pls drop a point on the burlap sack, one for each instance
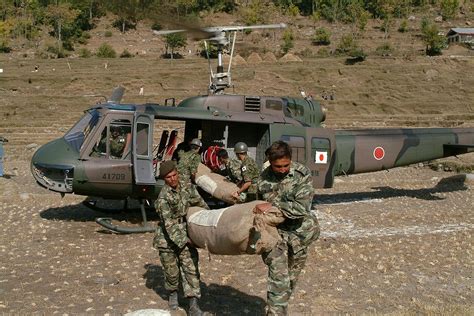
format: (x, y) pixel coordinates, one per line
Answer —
(215, 184)
(234, 230)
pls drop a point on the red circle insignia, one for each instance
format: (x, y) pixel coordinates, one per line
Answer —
(321, 157)
(379, 153)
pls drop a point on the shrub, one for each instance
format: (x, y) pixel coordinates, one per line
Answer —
(384, 50)
(449, 8)
(156, 26)
(346, 44)
(106, 51)
(287, 41)
(126, 54)
(4, 48)
(403, 26)
(108, 34)
(85, 53)
(323, 52)
(321, 37)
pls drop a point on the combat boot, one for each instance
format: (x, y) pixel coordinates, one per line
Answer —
(173, 300)
(194, 309)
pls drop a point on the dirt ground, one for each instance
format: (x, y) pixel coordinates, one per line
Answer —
(397, 242)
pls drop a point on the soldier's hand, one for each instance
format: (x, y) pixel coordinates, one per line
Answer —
(262, 208)
(236, 195)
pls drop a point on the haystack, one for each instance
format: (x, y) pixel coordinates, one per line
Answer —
(238, 60)
(290, 57)
(254, 58)
(269, 56)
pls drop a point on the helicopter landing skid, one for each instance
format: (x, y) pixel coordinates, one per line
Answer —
(106, 222)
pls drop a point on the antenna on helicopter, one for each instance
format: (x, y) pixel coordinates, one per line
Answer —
(221, 36)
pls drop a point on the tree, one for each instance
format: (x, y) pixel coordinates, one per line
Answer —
(433, 40)
(449, 8)
(174, 41)
(59, 15)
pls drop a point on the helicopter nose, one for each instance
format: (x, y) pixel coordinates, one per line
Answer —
(53, 164)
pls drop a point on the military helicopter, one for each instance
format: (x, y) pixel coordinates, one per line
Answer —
(112, 152)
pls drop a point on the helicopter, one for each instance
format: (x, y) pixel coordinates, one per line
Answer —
(114, 150)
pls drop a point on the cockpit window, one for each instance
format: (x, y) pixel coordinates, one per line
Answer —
(114, 142)
(76, 135)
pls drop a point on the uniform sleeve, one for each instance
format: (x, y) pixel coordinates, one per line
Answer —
(195, 161)
(250, 173)
(297, 202)
(196, 199)
(175, 230)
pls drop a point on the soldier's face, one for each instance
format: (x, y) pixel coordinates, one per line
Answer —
(171, 179)
(241, 156)
(281, 166)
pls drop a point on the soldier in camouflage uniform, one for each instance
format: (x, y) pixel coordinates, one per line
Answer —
(177, 255)
(249, 173)
(288, 186)
(117, 142)
(229, 168)
(189, 161)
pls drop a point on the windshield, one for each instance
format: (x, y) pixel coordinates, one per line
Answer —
(76, 135)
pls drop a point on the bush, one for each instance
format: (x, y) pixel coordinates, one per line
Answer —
(403, 26)
(384, 50)
(323, 52)
(287, 41)
(4, 48)
(106, 51)
(449, 9)
(346, 45)
(55, 51)
(83, 39)
(307, 53)
(85, 53)
(108, 34)
(321, 37)
(156, 26)
(126, 54)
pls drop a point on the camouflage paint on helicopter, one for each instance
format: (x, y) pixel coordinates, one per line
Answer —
(70, 165)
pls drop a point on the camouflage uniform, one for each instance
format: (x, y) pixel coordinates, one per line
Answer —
(233, 171)
(250, 173)
(117, 146)
(293, 195)
(171, 238)
(187, 165)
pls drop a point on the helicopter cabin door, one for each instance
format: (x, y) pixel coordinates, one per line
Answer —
(311, 147)
(321, 156)
(142, 149)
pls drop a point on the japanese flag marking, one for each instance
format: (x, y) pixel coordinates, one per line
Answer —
(321, 157)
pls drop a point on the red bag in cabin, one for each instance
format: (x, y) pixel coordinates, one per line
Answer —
(209, 158)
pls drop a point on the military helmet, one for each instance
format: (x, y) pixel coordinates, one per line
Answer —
(196, 142)
(240, 148)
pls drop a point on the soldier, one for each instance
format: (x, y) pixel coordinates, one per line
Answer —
(118, 143)
(189, 161)
(288, 186)
(249, 173)
(177, 254)
(229, 168)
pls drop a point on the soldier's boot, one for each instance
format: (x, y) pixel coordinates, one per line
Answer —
(173, 300)
(194, 309)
